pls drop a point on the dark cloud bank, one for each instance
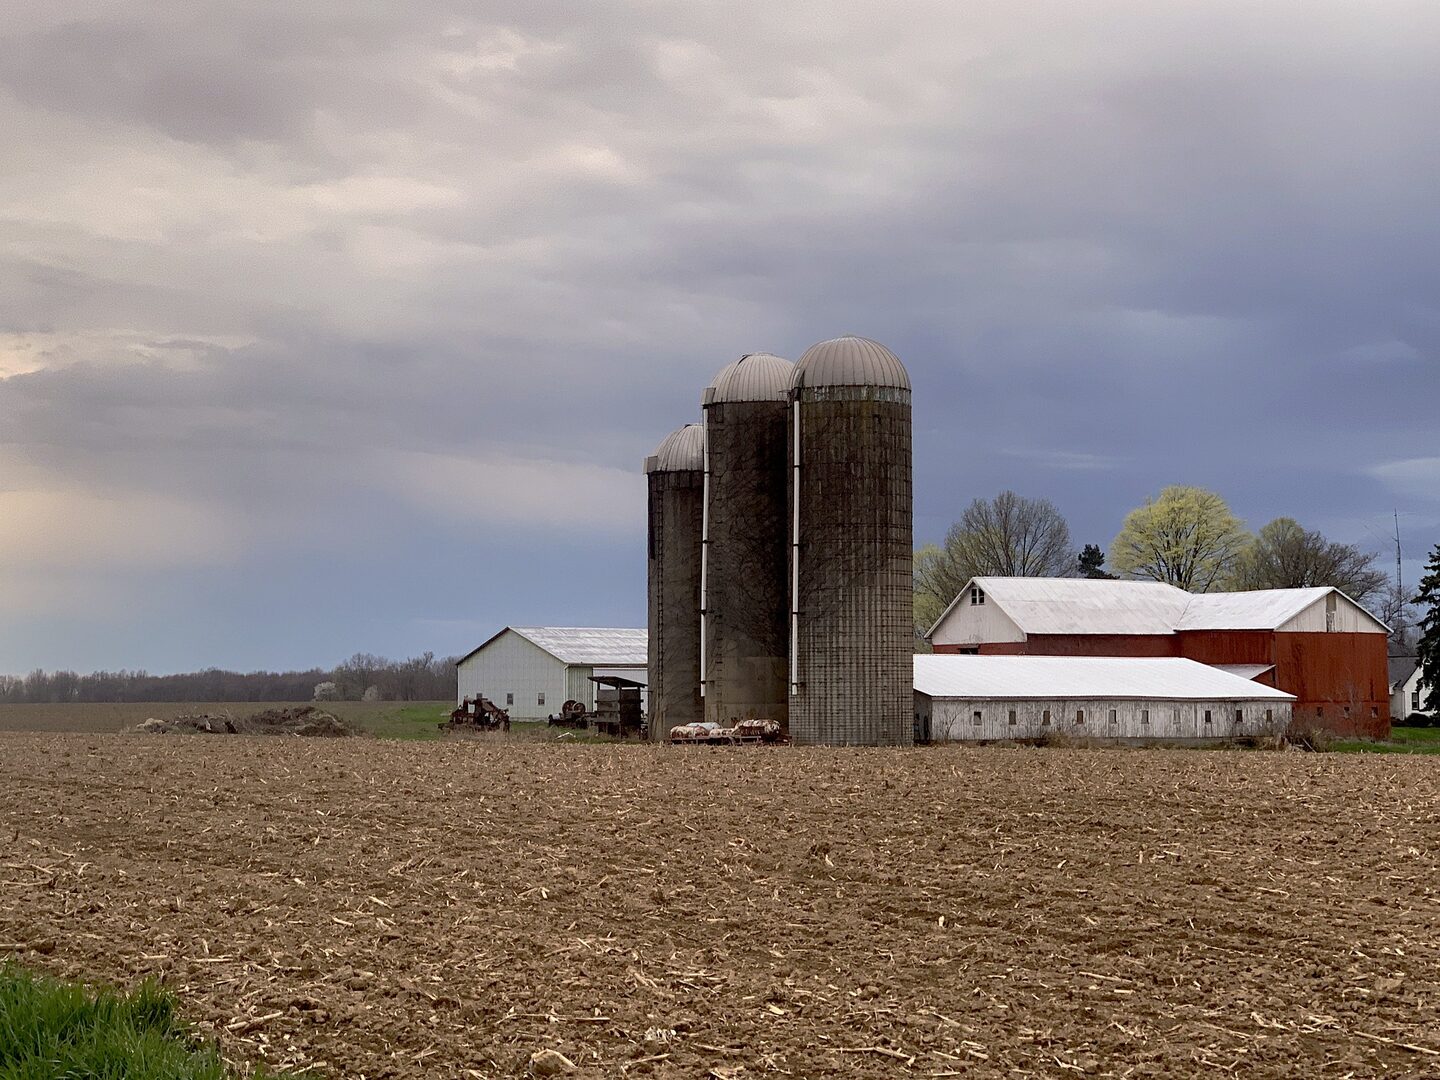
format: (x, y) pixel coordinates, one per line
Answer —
(320, 331)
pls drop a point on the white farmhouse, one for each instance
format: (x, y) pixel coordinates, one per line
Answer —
(989, 698)
(532, 670)
(1406, 689)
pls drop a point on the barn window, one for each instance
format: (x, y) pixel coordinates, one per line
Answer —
(1414, 700)
(1319, 712)
(1144, 716)
(1239, 716)
(1012, 716)
(975, 718)
(1045, 717)
(1374, 712)
(1269, 715)
(1347, 711)
(1114, 716)
(1079, 716)
(977, 595)
(510, 699)
(1207, 716)
(539, 699)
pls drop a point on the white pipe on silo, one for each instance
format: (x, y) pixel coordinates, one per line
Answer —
(704, 550)
(795, 561)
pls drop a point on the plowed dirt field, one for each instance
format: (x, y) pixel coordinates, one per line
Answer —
(389, 910)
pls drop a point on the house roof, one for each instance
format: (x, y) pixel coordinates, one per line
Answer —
(1099, 606)
(1083, 677)
(583, 646)
(1401, 668)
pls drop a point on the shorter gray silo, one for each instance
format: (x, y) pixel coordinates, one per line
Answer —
(851, 532)
(675, 477)
(745, 594)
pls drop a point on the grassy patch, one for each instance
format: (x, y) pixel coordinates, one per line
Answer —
(395, 719)
(52, 1029)
(1403, 740)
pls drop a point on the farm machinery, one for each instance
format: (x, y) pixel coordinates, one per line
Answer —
(744, 732)
(478, 714)
(573, 714)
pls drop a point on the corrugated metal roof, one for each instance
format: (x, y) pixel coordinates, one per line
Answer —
(591, 646)
(683, 450)
(1083, 677)
(850, 361)
(1263, 609)
(1245, 671)
(1099, 606)
(1083, 605)
(754, 377)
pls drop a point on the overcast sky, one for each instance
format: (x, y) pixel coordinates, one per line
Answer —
(346, 324)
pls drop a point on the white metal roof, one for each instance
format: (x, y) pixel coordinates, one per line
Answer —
(590, 646)
(1083, 677)
(754, 377)
(1262, 609)
(1245, 671)
(1098, 606)
(850, 361)
(683, 450)
(1081, 605)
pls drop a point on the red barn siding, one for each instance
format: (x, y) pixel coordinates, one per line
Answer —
(1228, 646)
(1334, 672)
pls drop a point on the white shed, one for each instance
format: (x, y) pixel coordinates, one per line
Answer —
(986, 698)
(533, 670)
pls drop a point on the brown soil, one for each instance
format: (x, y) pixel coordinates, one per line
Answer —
(391, 910)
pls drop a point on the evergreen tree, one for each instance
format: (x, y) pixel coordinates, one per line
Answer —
(1428, 650)
(1091, 563)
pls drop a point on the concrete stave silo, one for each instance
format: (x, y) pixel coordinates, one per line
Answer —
(675, 482)
(851, 535)
(745, 580)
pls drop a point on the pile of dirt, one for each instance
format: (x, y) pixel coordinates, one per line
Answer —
(303, 720)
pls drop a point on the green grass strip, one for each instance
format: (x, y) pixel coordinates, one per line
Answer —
(53, 1030)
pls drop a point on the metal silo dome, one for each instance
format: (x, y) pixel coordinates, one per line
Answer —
(754, 377)
(850, 361)
(675, 479)
(683, 450)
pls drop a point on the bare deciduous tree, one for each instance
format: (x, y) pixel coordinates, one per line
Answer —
(1007, 536)
(1286, 556)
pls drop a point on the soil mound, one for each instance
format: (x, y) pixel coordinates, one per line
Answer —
(305, 720)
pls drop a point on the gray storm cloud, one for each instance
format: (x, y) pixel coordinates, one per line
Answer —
(275, 270)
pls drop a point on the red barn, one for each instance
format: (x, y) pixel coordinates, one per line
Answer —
(1317, 644)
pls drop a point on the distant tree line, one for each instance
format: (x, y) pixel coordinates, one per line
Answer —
(1185, 536)
(420, 678)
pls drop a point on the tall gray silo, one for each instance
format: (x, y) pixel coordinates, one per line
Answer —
(675, 476)
(744, 604)
(851, 531)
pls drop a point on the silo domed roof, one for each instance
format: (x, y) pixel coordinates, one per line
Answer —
(683, 450)
(850, 361)
(754, 377)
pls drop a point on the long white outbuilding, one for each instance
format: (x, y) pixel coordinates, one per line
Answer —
(962, 698)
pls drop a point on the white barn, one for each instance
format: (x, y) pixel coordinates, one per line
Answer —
(988, 698)
(533, 670)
